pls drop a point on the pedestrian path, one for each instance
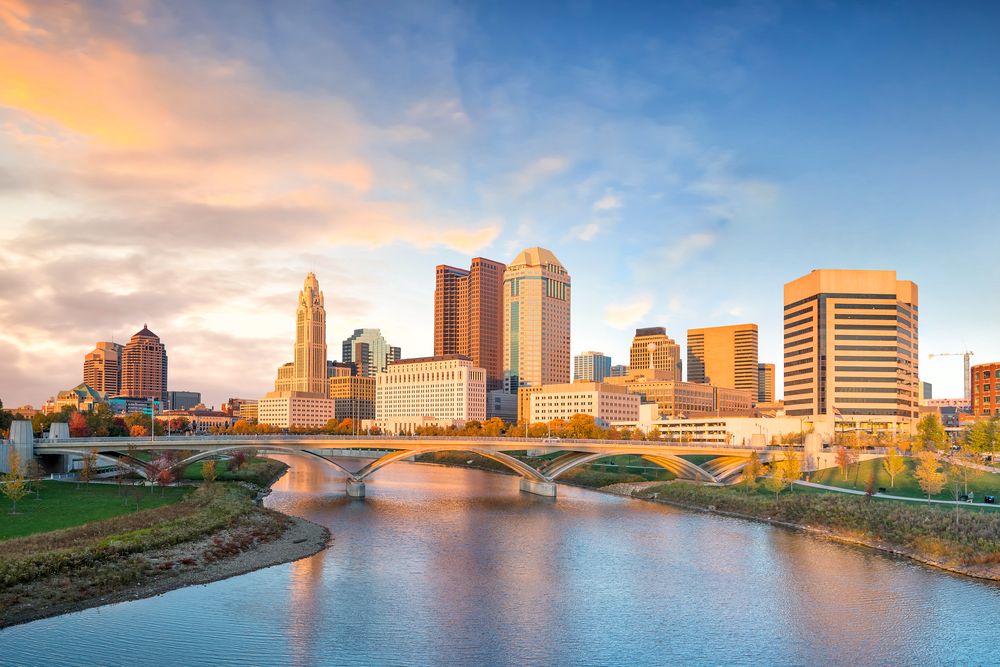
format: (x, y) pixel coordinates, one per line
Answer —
(890, 496)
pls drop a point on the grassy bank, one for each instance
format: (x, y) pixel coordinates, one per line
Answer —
(966, 540)
(61, 505)
(99, 559)
(905, 485)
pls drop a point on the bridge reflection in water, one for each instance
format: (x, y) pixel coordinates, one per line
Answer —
(723, 463)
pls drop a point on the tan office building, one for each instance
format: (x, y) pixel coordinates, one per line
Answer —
(666, 356)
(285, 409)
(765, 383)
(851, 348)
(307, 372)
(605, 402)
(353, 397)
(724, 356)
(536, 342)
(144, 367)
(468, 315)
(102, 368)
(674, 398)
(446, 387)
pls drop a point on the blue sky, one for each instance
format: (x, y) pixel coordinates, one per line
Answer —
(186, 164)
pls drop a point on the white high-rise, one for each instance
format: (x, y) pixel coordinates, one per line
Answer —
(536, 341)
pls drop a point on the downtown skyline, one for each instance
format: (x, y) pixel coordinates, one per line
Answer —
(682, 180)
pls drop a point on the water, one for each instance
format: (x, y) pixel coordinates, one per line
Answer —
(443, 566)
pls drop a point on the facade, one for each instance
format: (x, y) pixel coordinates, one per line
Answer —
(985, 389)
(127, 406)
(369, 352)
(926, 392)
(618, 371)
(851, 345)
(605, 402)
(353, 397)
(144, 367)
(591, 367)
(674, 398)
(960, 404)
(336, 369)
(286, 409)
(502, 405)
(82, 397)
(200, 421)
(735, 431)
(724, 356)
(249, 411)
(183, 400)
(765, 383)
(102, 368)
(524, 403)
(666, 355)
(468, 315)
(307, 372)
(446, 387)
(233, 405)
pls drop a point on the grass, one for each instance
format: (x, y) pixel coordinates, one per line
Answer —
(906, 486)
(62, 505)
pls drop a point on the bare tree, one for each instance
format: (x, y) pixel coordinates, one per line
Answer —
(88, 471)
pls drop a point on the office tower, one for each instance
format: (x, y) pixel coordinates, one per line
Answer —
(445, 390)
(353, 397)
(591, 367)
(765, 383)
(618, 371)
(308, 370)
(102, 368)
(666, 353)
(536, 321)
(369, 352)
(468, 315)
(185, 400)
(144, 367)
(724, 356)
(926, 392)
(851, 346)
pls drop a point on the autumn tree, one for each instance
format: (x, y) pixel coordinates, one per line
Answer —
(36, 473)
(164, 477)
(138, 431)
(928, 474)
(15, 487)
(775, 482)
(753, 469)
(78, 427)
(89, 469)
(930, 433)
(893, 464)
(791, 466)
(208, 471)
(844, 458)
(964, 473)
(237, 460)
(979, 436)
(493, 427)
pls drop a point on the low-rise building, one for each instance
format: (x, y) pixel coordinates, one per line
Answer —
(735, 431)
(675, 398)
(81, 397)
(249, 411)
(604, 402)
(501, 405)
(353, 396)
(286, 409)
(985, 389)
(199, 420)
(445, 388)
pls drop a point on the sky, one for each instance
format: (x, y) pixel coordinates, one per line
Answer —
(185, 164)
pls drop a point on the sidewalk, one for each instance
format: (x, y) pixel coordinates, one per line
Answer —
(892, 497)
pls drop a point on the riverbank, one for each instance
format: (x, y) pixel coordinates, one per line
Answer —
(967, 543)
(217, 533)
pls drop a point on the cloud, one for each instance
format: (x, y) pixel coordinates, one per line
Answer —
(623, 316)
(608, 202)
(687, 249)
(534, 174)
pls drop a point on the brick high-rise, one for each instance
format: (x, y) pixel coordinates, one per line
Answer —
(468, 315)
(144, 367)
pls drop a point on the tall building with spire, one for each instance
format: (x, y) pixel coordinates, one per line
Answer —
(144, 367)
(102, 368)
(308, 371)
(536, 345)
(468, 315)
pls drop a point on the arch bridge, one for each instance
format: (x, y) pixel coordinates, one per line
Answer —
(724, 462)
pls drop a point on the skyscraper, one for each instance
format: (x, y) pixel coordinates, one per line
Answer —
(666, 353)
(468, 315)
(724, 356)
(851, 346)
(765, 383)
(536, 333)
(308, 371)
(368, 350)
(144, 367)
(102, 368)
(591, 367)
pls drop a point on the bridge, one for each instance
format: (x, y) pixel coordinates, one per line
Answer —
(724, 464)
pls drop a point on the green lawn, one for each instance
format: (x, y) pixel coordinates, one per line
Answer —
(984, 484)
(61, 505)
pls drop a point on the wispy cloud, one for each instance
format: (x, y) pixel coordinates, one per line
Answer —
(623, 316)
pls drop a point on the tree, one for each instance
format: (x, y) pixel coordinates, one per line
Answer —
(964, 473)
(78, 427)
(928, 475)
(15, 487)
(791, 466)
(121, 471)
(493, 427)
(753, 469)
(844, 458)
(208, 471)
(870, 484)
(979, 436)
(930, 433)
(36, 473)
(893, 464)
(164, 477)
(238, 459)
(138, 431)
(88, 471)
(775, 482)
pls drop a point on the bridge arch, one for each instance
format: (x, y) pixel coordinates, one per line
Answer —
(675, 464)
(266, 449)
(521, 468)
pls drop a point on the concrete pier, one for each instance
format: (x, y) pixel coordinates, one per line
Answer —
(355, 489)
(538, 488)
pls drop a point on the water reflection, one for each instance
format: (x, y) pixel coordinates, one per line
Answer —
(441, 566)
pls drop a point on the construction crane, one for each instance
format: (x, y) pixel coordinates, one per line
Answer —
(968, 375)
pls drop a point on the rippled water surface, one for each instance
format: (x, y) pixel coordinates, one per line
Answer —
(443, 566)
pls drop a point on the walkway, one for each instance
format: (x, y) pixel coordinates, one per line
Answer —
(887, 496)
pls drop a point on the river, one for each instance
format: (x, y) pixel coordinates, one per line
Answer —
(446, 566)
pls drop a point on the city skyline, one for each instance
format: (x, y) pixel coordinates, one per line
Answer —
(684, 179)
